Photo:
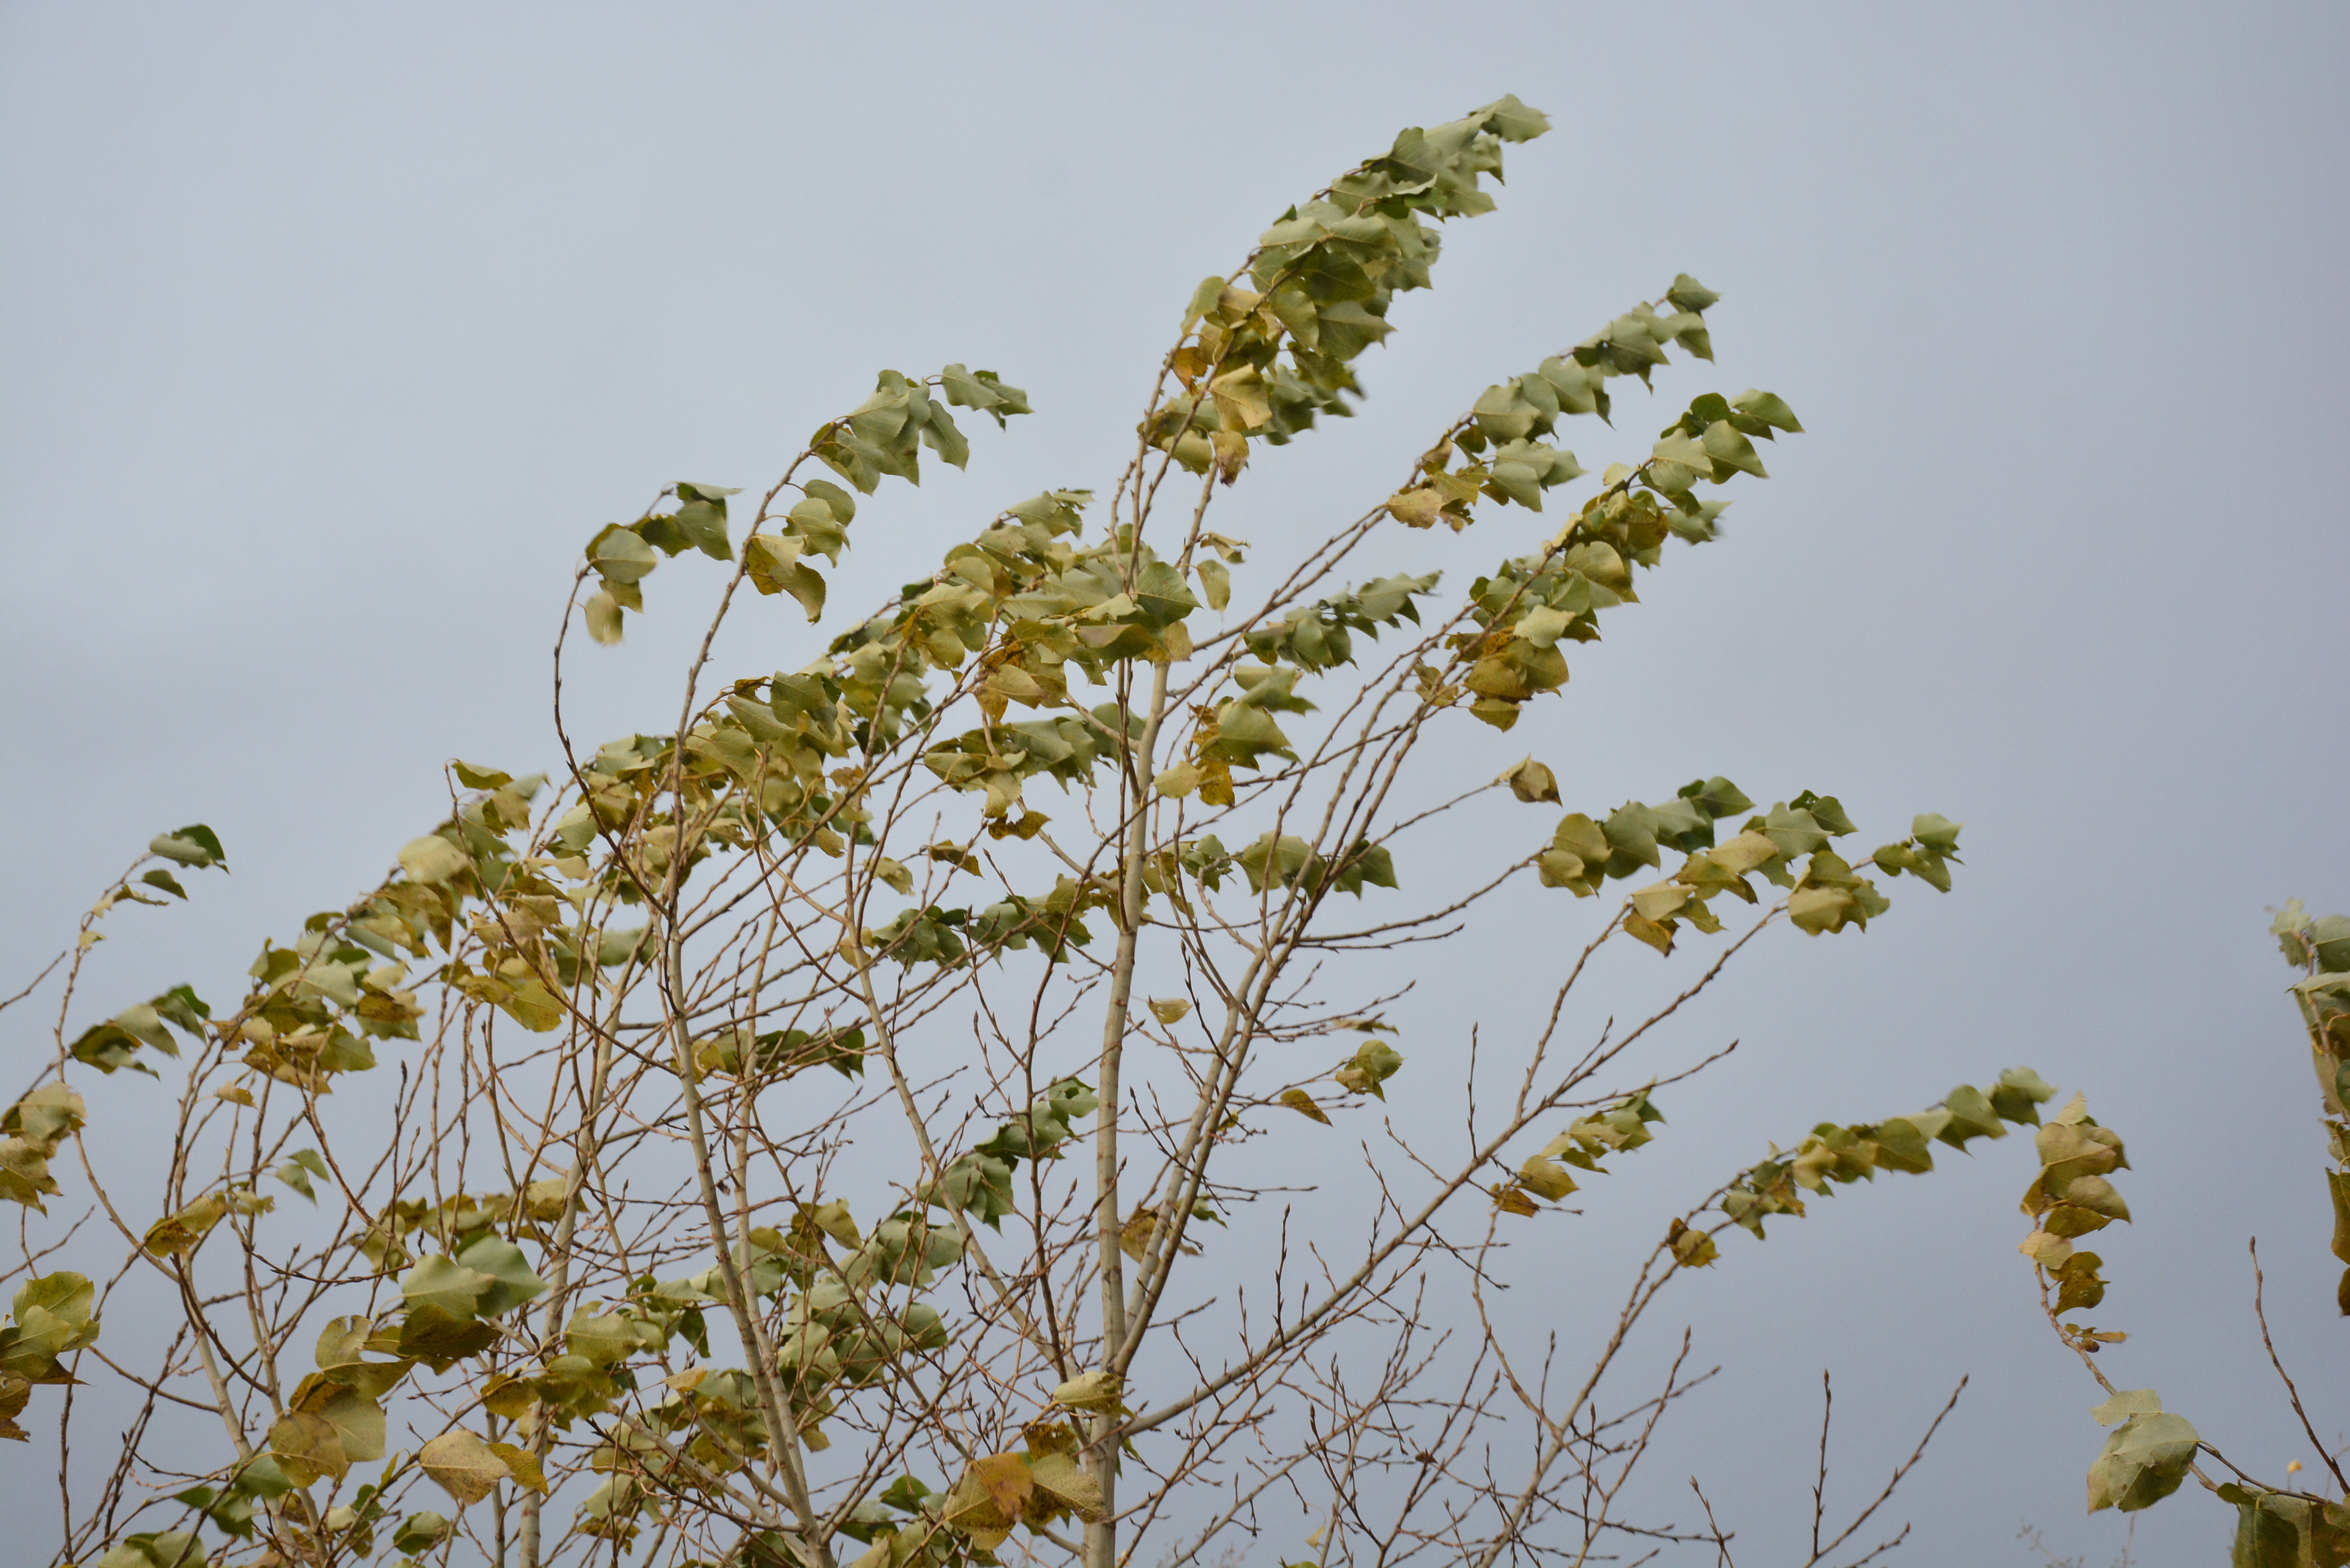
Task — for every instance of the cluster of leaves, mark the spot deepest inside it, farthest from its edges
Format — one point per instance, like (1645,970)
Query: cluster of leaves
(2151,1452)
(34,1126)
(1240,730)
(46,1114)
(978,1182)
(1364,1072)
(2320,948)
(879,436)
(49,1320)
(1319,636)
(1500,453)
(1264,363)
(1053,924)
(1832,1155)
(2071,1197)
(842,1328)
(1038,1485)
(1829,1154)
(883,435)
(1529,605)
(1824,896)
(1618,1129)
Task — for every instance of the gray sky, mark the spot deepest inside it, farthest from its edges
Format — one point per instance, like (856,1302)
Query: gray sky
(330,334)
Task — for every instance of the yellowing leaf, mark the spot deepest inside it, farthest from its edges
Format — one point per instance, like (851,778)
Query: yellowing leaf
(522,1465)
(1546,1176)
(1513,1199)
(182,1232)
(1659,900)
(1301,1102)
(306,1447)
(434,859)
(1692,1248)
(1530,781)
(1178,780)
(1169,1012)
(1007,1481)
(1059,1476)
(1743,854)
(463,1465)
(1416,508)
(833,1219)
(603,613)
(1097,1390)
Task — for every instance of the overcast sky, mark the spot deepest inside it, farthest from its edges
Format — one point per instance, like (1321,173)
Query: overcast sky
(329,334)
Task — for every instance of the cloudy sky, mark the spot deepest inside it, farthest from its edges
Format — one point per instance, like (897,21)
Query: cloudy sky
(327,336)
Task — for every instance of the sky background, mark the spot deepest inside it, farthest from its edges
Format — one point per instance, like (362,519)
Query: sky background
(330,335)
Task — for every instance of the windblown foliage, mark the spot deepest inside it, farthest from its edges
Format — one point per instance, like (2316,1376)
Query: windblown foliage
(591,1260)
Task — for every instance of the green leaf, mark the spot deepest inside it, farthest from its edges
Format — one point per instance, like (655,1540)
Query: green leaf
(1687,294)
(159,877)
(419,1532)
(297,1170)
(1215,583)
(511,1282)
(1938,834)
(2019,1095)
(2142,1463)
(701,516)
(1767,408)
(1372,1065)
(1511,121)
(440,1283)
(195,846)
(2129,1402)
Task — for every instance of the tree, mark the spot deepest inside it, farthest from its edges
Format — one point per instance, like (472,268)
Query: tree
(800,1128)
(2152,1451)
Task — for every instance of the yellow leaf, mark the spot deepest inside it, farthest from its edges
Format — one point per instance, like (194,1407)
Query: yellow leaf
(434,859)
(1658,900)
(1301,1102)
(1169,1012)
(508,1396)
(1530,781)
(522,1465)
(1414,508)
(182,1231)
(1692,1248)
(1513,1199)
(464,1466)
(604,618)
(1178,780)
(833,1219)
(1648,931)
(1064,1482)
(1005,1479)
(306,1447)
(1546,1177)
(1743,853)
(1090,1391)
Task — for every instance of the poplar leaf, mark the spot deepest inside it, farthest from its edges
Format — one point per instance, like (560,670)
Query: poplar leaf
(463,1465)
(1301,1102)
